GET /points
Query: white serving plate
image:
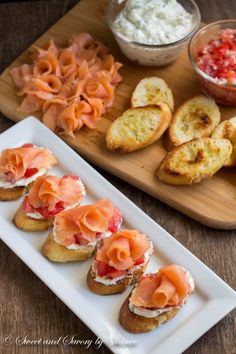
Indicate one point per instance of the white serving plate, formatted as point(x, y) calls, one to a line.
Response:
point(212, 300)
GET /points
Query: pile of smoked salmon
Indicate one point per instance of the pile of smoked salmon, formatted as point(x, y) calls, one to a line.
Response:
point(71, 86)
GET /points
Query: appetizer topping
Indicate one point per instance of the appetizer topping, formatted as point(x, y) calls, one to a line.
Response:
point(24, 162)
point(49, 195)
point(167, 288)
point(217, 58)
point(86, 224)
point(71, 86)
point(153, 22)
point(121, 251)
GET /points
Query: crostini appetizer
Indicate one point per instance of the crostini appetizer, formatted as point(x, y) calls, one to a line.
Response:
point(152, 90)
point(156, 299)
point(120, 261)
point(195, 118)
point(194, 161)
point(77, 231)
point(48, 196)
point(227, 130)
point(20, 166)
point(138, 127)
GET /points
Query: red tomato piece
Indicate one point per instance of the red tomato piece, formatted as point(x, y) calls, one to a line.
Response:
point(103, 269)
point(115, 221)
point(28, 145)
point(139, 261)
point(80, 240)
point(30, 172)
point(26, 206)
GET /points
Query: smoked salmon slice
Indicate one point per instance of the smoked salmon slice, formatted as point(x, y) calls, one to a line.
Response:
point(123, 249)
point(50, 194)
point(86, 222)
point(83, 76)
point(168, 287)
point(14, 162)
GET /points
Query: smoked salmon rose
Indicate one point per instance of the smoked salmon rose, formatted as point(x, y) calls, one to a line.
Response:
point(87, 223)
point(17, 163)
point(51, 194)
point(168, 287)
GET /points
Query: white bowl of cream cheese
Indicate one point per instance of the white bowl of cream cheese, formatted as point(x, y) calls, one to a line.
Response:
point(153, 32)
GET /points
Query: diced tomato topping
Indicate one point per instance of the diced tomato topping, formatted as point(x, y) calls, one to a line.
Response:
point(80, 240)
point(28, 145)
point(48, 214)
point(217, 58)
point(103, 269)
point(115, 221)
point(30, 172)
point(139, 261)
point(76, 178)
point(26, 206)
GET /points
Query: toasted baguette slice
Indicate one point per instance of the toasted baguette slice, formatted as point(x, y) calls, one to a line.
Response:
point(137, 128)
point(152, 90)
point(24, 222)
point(116, 288)
point(58, 253)
point(196, 118)
point(227, 130)
point(138, 324)
point(8, 194)
point(193, 161)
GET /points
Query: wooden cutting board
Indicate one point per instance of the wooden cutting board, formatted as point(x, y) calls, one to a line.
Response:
point(211, 202)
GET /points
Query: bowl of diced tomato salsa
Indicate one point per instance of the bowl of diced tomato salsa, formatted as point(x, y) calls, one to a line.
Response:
point(212, 52)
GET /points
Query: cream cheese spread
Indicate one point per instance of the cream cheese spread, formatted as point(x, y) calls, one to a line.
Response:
point(145, 312)
point(22, 182)
point(153, 22)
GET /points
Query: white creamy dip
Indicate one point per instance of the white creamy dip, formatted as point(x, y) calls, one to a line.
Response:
point(109, 281)
point(145, 312)
point(153, 21)
point(36, 215)
point(22, 182)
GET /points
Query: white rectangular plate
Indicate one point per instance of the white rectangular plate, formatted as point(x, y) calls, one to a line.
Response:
point(212, 300)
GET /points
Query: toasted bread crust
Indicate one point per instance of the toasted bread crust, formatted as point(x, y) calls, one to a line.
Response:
point(152, 90)
point(195, 118)
point(58, 253)
point(136, 137)
point(194, 160)
point(117, 288)
point(227, 130)
point(138, 324)
point(7, 194)
point(24, 222)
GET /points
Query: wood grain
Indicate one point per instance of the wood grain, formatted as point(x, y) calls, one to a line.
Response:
point(212, 202)
point(27, 305)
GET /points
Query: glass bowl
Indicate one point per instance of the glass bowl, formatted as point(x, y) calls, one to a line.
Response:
point(222, 93)
point(148, 54)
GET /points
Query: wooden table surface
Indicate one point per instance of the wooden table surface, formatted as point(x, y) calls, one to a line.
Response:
point(28, 307)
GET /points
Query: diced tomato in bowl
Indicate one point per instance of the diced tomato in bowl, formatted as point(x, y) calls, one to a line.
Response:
point(212, 52)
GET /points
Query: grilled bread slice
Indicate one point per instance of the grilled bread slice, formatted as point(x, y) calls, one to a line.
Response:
point(115, 288)
point(138, 324)
point(8, 194)
point(152, 90)
point(59, 253)
point(194, 160)
point(195, 118)
point(26, 223)
point(138, 127)
point(227, 130)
